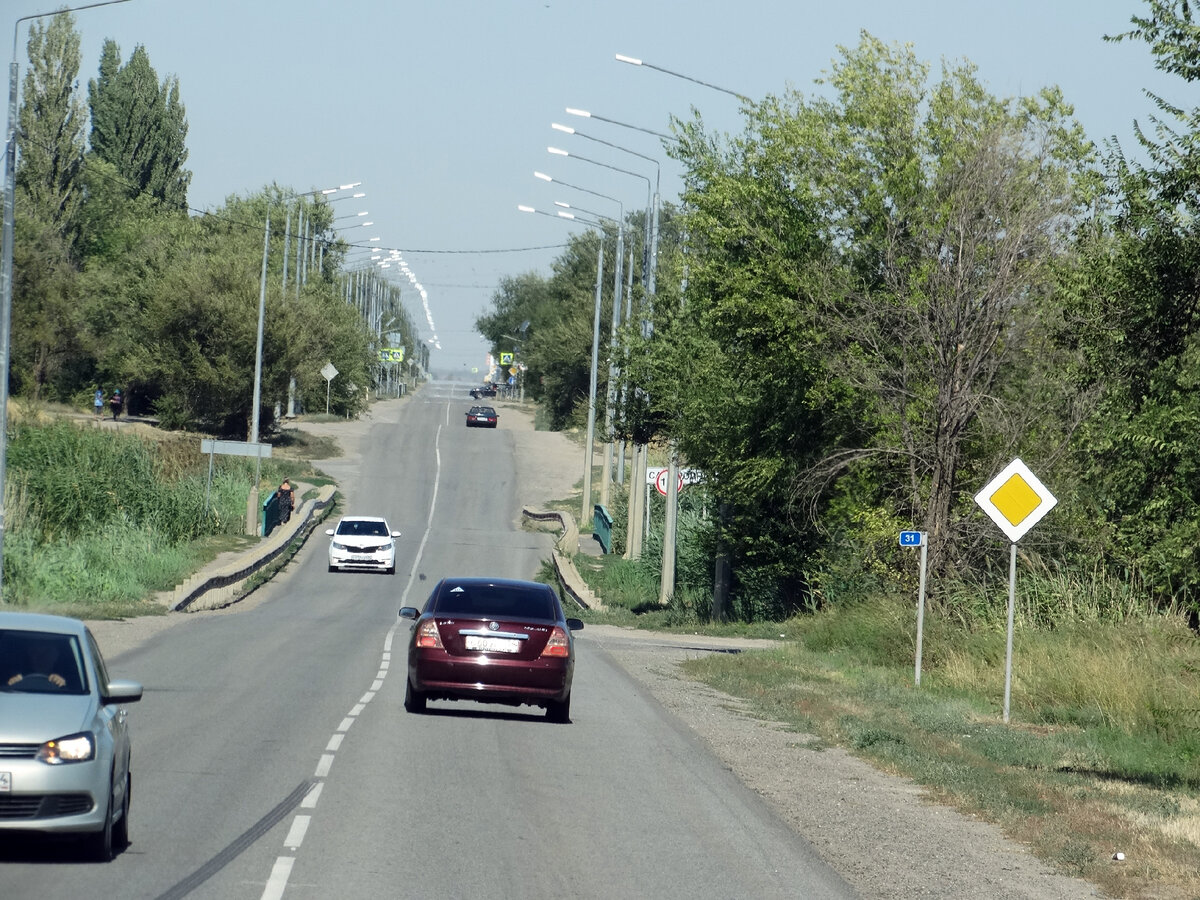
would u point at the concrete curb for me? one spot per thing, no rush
(564, 566)
(216, 589)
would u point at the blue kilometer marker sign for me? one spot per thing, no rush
(912, 538)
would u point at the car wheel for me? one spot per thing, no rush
(391, 570)
(559, 710)
(332, 567)
(121, 827)
(100, 844)
(414, 700)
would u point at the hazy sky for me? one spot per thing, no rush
(443, 110)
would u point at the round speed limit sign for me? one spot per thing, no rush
(661, 481)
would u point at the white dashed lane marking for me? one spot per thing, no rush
(282, 869)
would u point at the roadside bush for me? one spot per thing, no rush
(66, 481)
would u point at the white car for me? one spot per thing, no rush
(362, 542)
(64, 741)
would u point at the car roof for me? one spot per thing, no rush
(362, 519)
(468, 581)
(24, 621)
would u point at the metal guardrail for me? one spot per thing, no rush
(307, 521)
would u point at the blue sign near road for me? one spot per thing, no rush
(912, 538)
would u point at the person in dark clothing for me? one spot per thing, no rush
(115, 402)
(287, 500)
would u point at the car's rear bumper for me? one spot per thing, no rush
(494, 681)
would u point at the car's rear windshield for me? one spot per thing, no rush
(496, 601)
(41, 662)
(363, 529)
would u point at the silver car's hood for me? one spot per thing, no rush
(35, 718)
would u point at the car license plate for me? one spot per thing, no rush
(5, 782)
(492, 644)
(362, 557)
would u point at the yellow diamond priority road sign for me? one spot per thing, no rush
(1015, 500)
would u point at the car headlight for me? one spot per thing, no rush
(73, 748)
(336, 546)
(388, 548)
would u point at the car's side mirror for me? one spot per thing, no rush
(329, 531)
(409, 612)
(575, 624)
(122, 691)
(395, 534)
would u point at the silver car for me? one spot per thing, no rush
(64, 741)
(364, 543)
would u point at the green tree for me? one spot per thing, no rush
(45, 321)
(140, 126)
(51, 136)
(865, 265)
(1132, 316)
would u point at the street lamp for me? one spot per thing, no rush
(633, 61)
(573, 111)
(634, 543)
(667, 581)
(590, 440)
(290, 198)
(650, 261)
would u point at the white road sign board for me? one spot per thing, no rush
(1015, 500)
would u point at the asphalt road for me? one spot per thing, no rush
(273, 756)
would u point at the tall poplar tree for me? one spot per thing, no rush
(140, 126)
(52, 120)
(45, 315)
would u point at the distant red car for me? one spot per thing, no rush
(482, 417)
(492, 640)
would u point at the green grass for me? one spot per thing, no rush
(1101, 749)
(99, 521)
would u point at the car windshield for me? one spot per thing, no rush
(41, 662)
(361, 528)
(497, 602)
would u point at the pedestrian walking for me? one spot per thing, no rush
(98, 402)
(115, 402)
(287, 501)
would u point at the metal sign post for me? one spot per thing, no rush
(236, 448)
(1016, 501)
(329, 370)
(918, 539)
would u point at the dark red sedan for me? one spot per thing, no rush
(492, 640)
(482, 417)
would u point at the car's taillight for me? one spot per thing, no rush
(558, 645)
(427, 635)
